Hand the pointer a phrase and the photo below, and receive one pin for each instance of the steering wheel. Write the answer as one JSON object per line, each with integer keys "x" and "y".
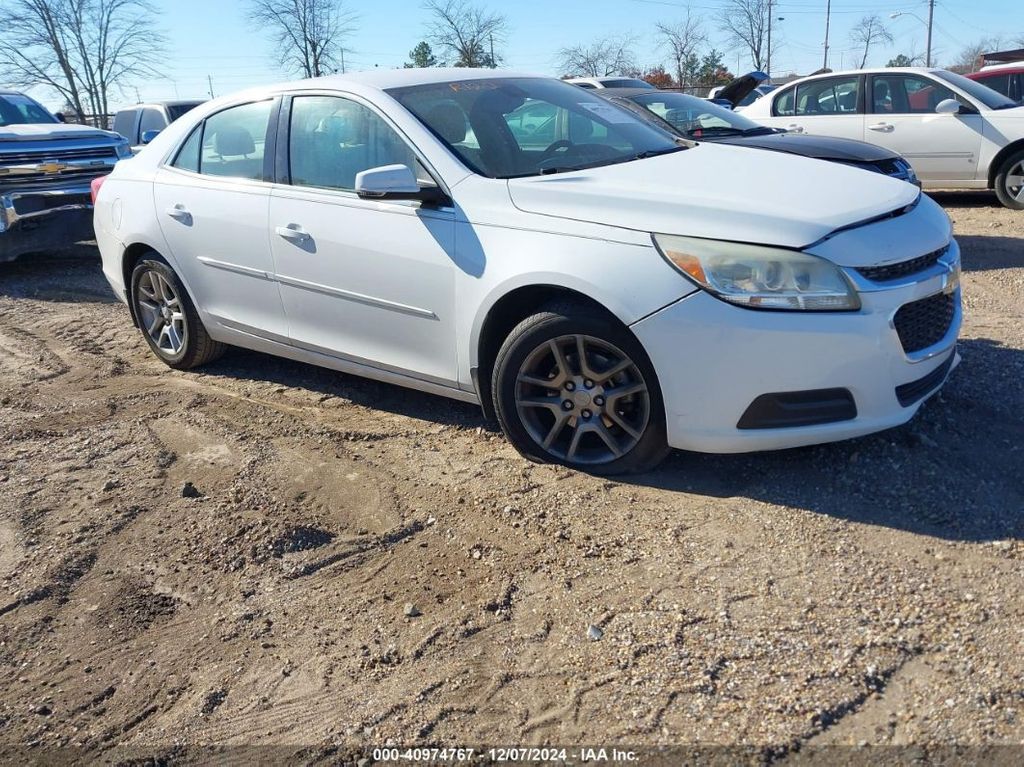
{"x": 552, "y": 148}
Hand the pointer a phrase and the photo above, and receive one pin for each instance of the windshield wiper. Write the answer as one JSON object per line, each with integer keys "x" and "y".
{"x": 730, "y": 131}
{"x": 657, "y": 152}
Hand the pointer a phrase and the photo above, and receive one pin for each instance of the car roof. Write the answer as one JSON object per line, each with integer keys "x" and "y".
{"x": 636, "y": 92}
{"x": 383, "y": 79}
{"x": 164, "y": 103}
{"x": 868, "y": 71}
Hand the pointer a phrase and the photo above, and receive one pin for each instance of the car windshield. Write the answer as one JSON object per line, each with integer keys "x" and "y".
{"x": 694, "y": 117}
{"x": 990, "y": 98}
{"x": 174, "y": 111}
{"x": 16, "y": 109}
{"x": 512, "y": 127}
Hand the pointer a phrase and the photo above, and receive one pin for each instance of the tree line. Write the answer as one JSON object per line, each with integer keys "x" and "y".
{"x": 89, "y": 50}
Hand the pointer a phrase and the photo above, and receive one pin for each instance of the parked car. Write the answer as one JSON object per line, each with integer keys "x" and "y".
{"x": 1007, "y": 79}
{"x": 957, "y": 133}
{"x": 141, "y": 123}
{"x": 46, "y": 167}
{"x": 694, "y": 118}
{"x": 596, "y": 83}
{"x": 606, "y": 296}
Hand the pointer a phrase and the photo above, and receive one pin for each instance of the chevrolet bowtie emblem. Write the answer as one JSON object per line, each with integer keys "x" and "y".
{"x": 51, "y": 167}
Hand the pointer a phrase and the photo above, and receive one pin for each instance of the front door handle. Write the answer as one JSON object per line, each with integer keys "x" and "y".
{"x": 882, "y": 127}
{"x": 795, "y": 128}
{"x": 179, "y": 213}
{"x": 292, "y": 232}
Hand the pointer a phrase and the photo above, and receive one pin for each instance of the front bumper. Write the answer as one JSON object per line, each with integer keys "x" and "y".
{"x": 714, "y": 360}
{"x": 38, "y": 219}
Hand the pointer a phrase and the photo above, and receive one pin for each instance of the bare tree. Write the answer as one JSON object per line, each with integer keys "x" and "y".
{"x": 83, "y": 49}
{"x": 969, "y": 59}
{"x": 309, "y": 34}
{"x": 746, "y": 24}
{"x": 601, "y": 58}
{"x": 869, "y": 31}
{"x": 683, "y": 40}
{"x": 467, "y": 33}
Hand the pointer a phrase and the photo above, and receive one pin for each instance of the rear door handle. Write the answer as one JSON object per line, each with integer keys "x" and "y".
{"x": 882, "y": 127}
{"x": 179, "y": 213}
{"x": 292, "y": 232}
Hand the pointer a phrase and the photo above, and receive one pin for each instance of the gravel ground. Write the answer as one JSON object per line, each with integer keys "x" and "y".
{"x": 365, "y": 564}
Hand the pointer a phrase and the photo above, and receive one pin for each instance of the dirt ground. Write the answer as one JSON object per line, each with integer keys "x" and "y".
{"x": 861, "y": 592}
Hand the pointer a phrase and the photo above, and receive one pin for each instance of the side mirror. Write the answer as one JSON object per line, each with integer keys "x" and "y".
{"x": 149, "y": 135}
{"x": 61, "y": 118}
{"x": 948, "y": 107}
{"x": 395, "y": 182}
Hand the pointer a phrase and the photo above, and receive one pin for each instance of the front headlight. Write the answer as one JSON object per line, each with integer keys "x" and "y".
{"x": 123, "y": 150}
{"x": 760, "y": 277}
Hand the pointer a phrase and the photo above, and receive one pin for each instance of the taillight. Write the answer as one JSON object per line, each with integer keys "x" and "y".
{"x": 94, "y": 187}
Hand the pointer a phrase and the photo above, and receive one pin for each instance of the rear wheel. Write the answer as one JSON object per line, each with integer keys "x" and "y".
{"x": 168, "y": 318}
{"x": 573, "y": 386}
{"x": 1010, "y": 182}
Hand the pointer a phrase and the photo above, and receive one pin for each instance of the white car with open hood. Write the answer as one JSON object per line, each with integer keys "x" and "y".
{"x": 605, "y": 295}
{"x": 956, "y": 133}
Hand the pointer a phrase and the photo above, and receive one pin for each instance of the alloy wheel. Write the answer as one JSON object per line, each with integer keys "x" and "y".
{"x": 582, "y": 399}
{"x": 161, "y": 314}
{"x": 1014, "y": 182}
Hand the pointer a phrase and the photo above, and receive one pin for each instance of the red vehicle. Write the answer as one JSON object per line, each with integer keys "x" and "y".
{"x": 1008, "y": 79}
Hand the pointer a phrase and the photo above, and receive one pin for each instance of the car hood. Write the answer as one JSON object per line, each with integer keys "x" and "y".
{"x": 740, "y": 88}
{"x": 52, "y": 131}
{"x": 818, "y": 147}
{"x": 719, "y": 192}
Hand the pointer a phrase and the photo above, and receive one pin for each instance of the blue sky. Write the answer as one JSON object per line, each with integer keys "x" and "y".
{"x": 212, "y": 37}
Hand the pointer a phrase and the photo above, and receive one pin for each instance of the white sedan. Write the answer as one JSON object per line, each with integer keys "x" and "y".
{"x": 606, "y": 294}
{"x": 955, "y": 132}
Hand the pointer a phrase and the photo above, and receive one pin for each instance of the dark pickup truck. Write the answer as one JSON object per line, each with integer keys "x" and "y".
{"x": 46, "y": 167}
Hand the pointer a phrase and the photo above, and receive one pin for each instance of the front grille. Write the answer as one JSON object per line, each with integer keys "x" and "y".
{"x": 49, "y": 155}
{"x": 924, "y": 323}
{"x": 903, "y": 268}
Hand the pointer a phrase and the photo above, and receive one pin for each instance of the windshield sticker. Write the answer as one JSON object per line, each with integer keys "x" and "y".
{"x": 474, "y": 85}
{"x": 609, "y": 113}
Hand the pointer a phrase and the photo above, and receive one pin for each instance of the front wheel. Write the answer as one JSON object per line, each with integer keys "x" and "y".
{"x": 1010, "y": 182}
{"x": 168, "y": 318}
{"x": 573, "y": 386}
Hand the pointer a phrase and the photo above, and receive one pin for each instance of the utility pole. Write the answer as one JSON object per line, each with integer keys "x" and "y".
{"x": 210, "y": 81}
{"x": 828, "y": 19}
{"x": 931, "y": 14}
{"x": 768, "y": 67}
{"x": 343, "y": 59}
{"x": 494, "y": 63}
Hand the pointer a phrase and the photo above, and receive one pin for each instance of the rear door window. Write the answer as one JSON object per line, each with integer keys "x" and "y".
{"x": 234, "y": 141}
{"x": 832, "y": 96}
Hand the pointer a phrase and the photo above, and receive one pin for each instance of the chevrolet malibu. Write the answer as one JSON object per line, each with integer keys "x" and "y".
{"x": 606, "y": 293}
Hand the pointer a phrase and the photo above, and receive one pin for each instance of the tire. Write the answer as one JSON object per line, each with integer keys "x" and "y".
{"x": 606, "y": 417}
{"x": 1009, "y": 182}
{"x": 167, "y": 317}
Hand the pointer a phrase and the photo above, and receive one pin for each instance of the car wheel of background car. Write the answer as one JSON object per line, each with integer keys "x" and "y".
{"x": 1010, "y": 182}
{"x": 573, "y": 386}
{"x": 168, "y": 318}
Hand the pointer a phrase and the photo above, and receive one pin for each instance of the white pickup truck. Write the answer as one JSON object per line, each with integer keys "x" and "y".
{"x": 46, "y": 167}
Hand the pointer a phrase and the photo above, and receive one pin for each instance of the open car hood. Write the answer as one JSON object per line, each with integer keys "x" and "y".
{"x": 720, "y": 192}
{"x": 740, "y": 88}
